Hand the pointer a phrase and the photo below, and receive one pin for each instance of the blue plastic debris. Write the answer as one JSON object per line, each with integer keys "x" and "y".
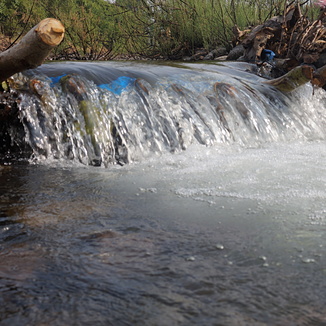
{"x": 56, "y": 79}
{"x": 267, "y": 55}
{"x": 118, "y": 85}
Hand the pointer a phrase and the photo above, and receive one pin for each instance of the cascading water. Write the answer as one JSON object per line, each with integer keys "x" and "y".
{"x": 220, "y": 219}
{"x": 101, "y": 114}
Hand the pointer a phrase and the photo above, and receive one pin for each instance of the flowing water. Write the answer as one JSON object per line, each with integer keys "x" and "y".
{"x": 189, "y": 194}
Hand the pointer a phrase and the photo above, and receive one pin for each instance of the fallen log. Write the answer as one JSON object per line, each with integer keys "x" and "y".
{"x": 294, "y": 78}
{"x": 33, "y": 48}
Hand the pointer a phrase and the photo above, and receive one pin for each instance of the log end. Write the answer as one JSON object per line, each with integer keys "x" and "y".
{"x": 51, "y": 31}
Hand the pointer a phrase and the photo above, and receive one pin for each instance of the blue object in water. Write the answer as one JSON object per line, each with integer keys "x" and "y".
{"x": 118, "y": 85}
{"x": 56, "y": 79}
{"x": 267, "y": 55}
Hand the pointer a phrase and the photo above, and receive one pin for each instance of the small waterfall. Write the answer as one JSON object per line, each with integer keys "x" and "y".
{"x": 100, "y": 114}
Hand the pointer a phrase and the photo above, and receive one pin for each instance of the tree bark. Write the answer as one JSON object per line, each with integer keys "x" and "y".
{"x": 33, "y": 48}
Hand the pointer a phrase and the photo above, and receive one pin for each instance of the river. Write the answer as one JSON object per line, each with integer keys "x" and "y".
{"x": 182, "y": 214}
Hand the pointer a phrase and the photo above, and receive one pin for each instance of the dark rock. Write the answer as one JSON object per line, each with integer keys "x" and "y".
{"x": 220, "y": 51}
{"x": 216, "y": 53}
{"x": 236, "y": 53}
{"x": 321, "y": 61}
{"x": 209, "y": 56}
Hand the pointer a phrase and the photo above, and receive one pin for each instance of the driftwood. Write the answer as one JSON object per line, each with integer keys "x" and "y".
{"x": 290, "y": 36}
{"x": 298, "y": 44}
{"x": 293, "y": 79}
{"x": 33, "y": 48}
{"x": 256, "y": 41}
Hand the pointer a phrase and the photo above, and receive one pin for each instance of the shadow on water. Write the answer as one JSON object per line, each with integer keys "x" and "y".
{"x": 44, "y": 255}
{"x": 219, "y": 219}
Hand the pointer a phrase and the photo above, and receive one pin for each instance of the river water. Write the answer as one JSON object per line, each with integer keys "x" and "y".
{"x": 204, "y": 204}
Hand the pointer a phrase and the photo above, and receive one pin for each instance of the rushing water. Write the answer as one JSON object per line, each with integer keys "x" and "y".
{"x": 218, "y": 219}
{"x": 101, "y": 114}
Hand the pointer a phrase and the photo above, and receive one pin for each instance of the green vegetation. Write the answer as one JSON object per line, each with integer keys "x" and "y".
{"x": 100, "y": 29}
